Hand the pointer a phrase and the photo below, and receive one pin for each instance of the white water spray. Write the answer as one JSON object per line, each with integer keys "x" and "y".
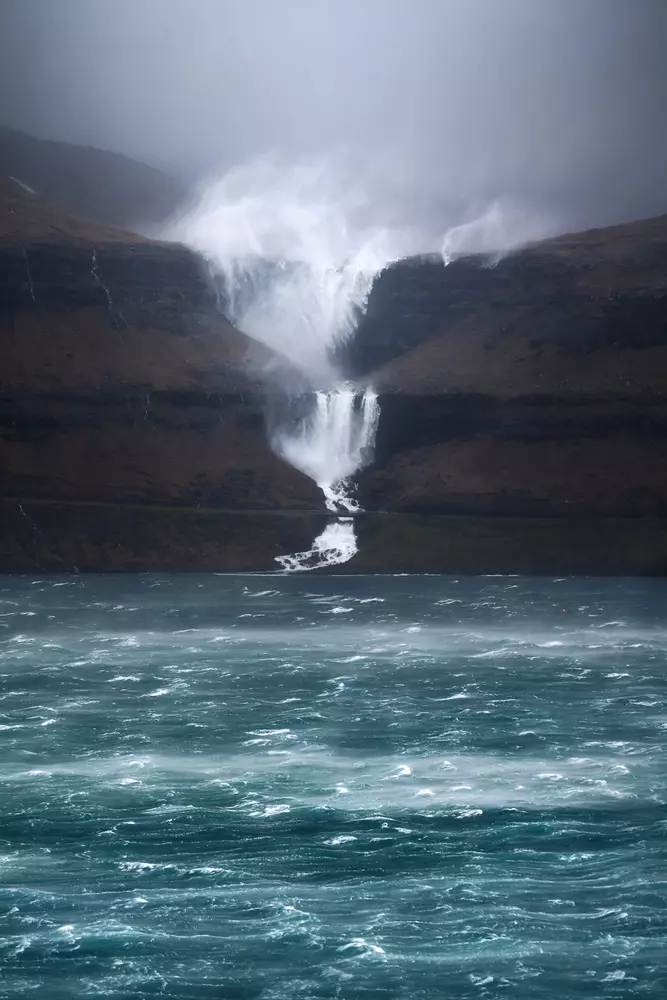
{"x": 295, "y": 266}
{"x": 293, "y": 256}
{"x": 500, "y": 228}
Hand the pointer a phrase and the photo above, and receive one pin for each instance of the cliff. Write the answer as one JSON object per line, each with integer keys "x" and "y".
{"x": 523, "y": 409}
{"x": 535, "y": 388}
{"x": 125, "y": 400}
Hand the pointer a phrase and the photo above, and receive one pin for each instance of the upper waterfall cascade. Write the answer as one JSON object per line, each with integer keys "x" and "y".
{"x": 293, "y": 253}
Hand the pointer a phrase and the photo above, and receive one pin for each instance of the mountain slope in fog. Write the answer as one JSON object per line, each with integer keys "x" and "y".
{"x": 91, "y": 183}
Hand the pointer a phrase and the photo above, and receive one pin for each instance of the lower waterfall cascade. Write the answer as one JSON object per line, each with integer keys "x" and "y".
{"x": 333, "y": 442}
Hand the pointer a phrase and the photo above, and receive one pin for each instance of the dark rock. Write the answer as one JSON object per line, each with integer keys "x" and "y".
{"x": 580, "y": 293}
{"x": 534, "y": 388}
{"x": 523, "y": 417}
{"x": 405, "y": 543}
{"x": 57, "y": 537}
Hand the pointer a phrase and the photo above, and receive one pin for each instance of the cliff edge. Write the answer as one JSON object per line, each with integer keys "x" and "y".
{"x": 527, "y": 391}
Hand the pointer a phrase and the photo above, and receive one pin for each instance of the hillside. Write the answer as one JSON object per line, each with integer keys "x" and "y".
{"x": 91, "y": 183}
{"x": 576, "y": 294}
{"x": 534, "y": 387}
{"x": 116, "y": 304}
{"x": 122, "y": 388}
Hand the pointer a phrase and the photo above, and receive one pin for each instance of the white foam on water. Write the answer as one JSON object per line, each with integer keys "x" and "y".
{"x": 293, "y": 254}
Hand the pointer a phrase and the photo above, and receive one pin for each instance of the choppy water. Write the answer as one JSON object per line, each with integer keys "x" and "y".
{"x": 295, "y": 787}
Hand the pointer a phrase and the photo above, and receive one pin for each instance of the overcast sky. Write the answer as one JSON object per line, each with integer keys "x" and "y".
{"x": 560, "y": 104}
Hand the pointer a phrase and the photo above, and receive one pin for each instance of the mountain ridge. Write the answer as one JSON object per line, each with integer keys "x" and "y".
{"x": 94, "y": 184}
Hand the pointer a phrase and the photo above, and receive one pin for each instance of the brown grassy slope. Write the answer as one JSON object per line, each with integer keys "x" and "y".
{"x": 620, "y": 475}
{"x": 30, "y": 218}
{"x": 164, "y": 456}
{"x": 82, "y": 351}
{"x": 631, "y": 255}
{"x": 506, "y": 352}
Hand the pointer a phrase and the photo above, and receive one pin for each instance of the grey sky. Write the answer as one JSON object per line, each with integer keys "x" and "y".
{"x": 560, "y": 104}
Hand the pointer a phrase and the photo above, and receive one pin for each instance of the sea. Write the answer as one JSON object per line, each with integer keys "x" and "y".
{"x": 284, "y": 786}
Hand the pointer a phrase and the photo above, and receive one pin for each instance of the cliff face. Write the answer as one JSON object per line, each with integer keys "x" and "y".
{"x": 523, "y": 420}
{"x": 122, "y": 387}
{"x": 575, "y": 295}
{"x": 535, "y": 387}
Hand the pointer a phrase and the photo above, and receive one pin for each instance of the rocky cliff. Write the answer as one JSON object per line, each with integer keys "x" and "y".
{"x": 577, "y": 296}
{"x": 532, "y": 387}
{"x": 523, "y": 409}
{"x": 131, "y": 412}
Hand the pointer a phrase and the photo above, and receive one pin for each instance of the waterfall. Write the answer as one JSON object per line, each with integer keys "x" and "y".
{"x": 333, "y": 442}
{"x": 293, "y": 253}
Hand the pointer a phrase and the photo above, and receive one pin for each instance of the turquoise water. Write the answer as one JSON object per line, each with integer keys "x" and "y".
{"x": 355, "y": 787}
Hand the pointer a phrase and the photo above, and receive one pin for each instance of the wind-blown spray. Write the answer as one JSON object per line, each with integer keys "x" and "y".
{"x": 293, "y": 259}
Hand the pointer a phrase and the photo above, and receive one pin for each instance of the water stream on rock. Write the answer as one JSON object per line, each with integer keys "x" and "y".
{"x": 332, "y": 443}
{"x": 293, "y": 264}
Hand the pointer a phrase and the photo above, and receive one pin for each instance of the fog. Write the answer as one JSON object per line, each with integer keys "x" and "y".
{"x": 448, "y": 107}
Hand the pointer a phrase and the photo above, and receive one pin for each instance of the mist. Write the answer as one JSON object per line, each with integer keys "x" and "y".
{"x": 293, "y": 249}
{"x": 555, "y": 108}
